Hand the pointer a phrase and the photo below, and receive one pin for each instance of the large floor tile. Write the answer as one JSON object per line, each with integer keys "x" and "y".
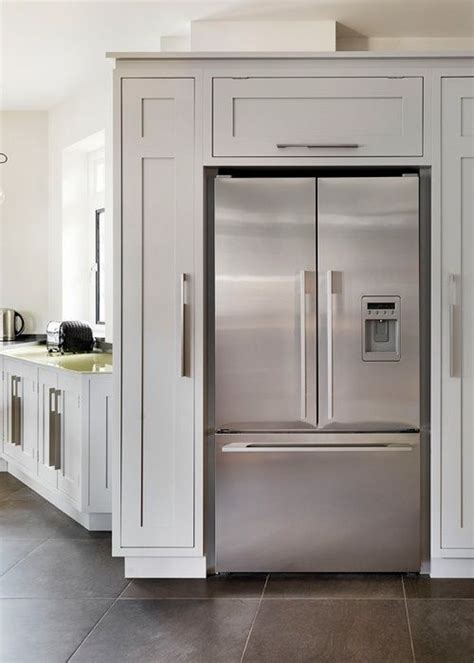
{"x": 26, "y": 515}
{"x": 423, "y": 587}
{"x": 45, "y": 631}
{"x": 334, "y": 585}
{"x": 442, "y": 630}
{"x": 66, "y": 569}
{"x": 8, "y": 485}
{"x": 170, "y": 631}
{"x": 14, "y": 550}
{"x": 227, "y": 586}
{"x": 330, "y": 631}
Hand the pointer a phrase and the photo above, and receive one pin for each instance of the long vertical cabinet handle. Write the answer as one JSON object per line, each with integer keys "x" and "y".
{"x": 57, "y": 435}
{"x": 13, "y": 410}
{"x": 452, "y": 298}
{"x": 52, "y": 428}
{"x": 302, "y": 288}
{"x": 330, "y": 359}
{"x": 182, "y": 340}
{"x": 19, "y": 411}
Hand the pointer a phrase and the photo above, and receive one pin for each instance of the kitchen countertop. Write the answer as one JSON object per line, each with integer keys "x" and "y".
{"x": 87, "y": 362}
{"x": 23, "y": 339}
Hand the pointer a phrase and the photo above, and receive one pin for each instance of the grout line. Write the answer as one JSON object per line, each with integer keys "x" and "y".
{"x": 408, "y": 622}
{"x": 254, "y": 618}
{"x": 25, "y": 556}
{"x": 97, "y": 623}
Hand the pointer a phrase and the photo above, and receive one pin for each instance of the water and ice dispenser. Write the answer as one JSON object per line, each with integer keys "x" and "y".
{"x": 381, "y": 328}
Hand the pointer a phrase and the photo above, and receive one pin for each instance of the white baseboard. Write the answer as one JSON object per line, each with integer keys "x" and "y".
{"x": 441, "y": 567}
{"x": 165, "y": 567}
{"x": 91, "y": 521}
{"x": 3, "y": 465}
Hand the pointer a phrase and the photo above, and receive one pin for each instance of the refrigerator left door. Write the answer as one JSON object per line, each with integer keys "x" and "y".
{"x": 265, "y": 303}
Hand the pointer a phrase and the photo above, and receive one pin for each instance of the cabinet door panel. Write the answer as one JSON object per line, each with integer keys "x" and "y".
{"x": 457, "y": 469}
{"x": 69, "y": 409}
{"x": 9, "y": 447}
{"x": 21, "y": 404}
{"x": 157, "y": 454}
{"x": 318, "y": 117}
{"x": 47, "y": 383}
{"x": 29, "y": 418}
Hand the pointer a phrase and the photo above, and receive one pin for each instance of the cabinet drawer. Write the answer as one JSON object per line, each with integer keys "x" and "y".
{"x": 317, "y": 117}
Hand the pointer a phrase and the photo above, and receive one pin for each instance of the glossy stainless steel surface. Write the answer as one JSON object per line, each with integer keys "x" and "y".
{"x": 265, "y": 303}
{"x": 347, "y": 502}
{"x": 318, "y": 474}
{"x": 9, "y": 328}
{"x": 367, "y": 247}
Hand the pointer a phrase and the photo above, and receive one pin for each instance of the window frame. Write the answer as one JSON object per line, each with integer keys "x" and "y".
{"x": 99, "y": 215}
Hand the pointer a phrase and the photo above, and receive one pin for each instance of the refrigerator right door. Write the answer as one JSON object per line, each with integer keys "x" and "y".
{"x": 368, "y": 303}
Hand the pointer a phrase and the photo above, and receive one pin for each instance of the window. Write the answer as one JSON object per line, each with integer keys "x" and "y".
{"x": 100, "y": 266}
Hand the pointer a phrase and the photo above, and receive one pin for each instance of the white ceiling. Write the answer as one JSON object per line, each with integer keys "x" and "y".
{"x": 49, "y": 50}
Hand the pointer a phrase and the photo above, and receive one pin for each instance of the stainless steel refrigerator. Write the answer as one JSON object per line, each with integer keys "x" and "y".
{"x": 317, "y": 388}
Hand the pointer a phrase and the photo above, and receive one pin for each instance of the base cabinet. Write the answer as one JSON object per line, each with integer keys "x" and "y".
{"x": 56, "y": 436}
{"x": 21, "y": 414}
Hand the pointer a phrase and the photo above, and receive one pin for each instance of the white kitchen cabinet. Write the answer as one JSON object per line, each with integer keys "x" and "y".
{"x": 310, "y": 116}
{"x": 21, "y": 404}
{"x": 57, "y": 436}
{"x": 457, "y": 212}
{"x": 47, "y": 445}
{"x": 175, "y": 117}
{"x": 157, "y": 430}
{"x": 68, "y": 399}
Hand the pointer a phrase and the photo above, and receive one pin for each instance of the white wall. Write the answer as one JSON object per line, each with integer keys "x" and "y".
{"x": 24, "y": 251}
{"x": 78, "y": 118}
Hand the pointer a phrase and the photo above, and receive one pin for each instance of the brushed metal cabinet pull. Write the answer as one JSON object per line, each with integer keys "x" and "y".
{"x": 57, "y": 434}
{"x": 182, "y": 350}
{"x": 282, "y": 146}
{"x": 52, "y": 428}
{"x": 452, "y": 299}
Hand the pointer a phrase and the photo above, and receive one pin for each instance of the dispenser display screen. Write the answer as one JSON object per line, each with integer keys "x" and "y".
{"x": 381, "y": 305}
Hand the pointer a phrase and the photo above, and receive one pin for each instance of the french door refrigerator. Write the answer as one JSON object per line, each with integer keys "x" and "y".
{"x": 317, "y": 406}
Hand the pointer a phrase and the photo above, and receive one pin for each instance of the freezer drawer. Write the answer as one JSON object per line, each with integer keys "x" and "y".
{"x": 317, "y": 502}
{"x": 318, "y": 117}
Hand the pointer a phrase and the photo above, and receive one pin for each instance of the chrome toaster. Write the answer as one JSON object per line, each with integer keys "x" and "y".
{"x": 69, "y": 336}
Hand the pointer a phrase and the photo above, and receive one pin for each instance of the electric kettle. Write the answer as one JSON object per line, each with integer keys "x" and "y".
{"x": 8, "y": 324}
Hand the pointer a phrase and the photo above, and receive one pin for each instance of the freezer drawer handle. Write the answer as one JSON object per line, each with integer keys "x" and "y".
{"x": 282, "y": 146}
{"x": 249, "y": 447}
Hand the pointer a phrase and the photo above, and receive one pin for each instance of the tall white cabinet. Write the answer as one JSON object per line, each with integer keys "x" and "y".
{"x": 175, "y": 116}
{"x": 157, "y": 432}
{"x": 456, "y": 535}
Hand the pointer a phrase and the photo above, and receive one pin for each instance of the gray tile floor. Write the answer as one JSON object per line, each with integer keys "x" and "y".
{"x": 64, "y": 598}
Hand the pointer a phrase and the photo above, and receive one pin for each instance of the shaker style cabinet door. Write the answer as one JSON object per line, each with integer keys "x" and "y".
{"x": 69, "y": 432}
{"x": 457, "y": 460}
{"x": 157, "y": 441}
{"x": 11, "y": 411}
{"x": 48, "y": 437}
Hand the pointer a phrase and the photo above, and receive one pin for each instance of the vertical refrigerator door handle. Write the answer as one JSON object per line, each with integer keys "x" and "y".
{"x": 452, "y": 298}
{"x": 182, "y": 341}
{"x": 303, "y": 342}
{"x": 329, "y": 303}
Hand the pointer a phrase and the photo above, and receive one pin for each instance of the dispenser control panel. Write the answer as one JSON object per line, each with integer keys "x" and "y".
{"x": 381, "y": 328}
